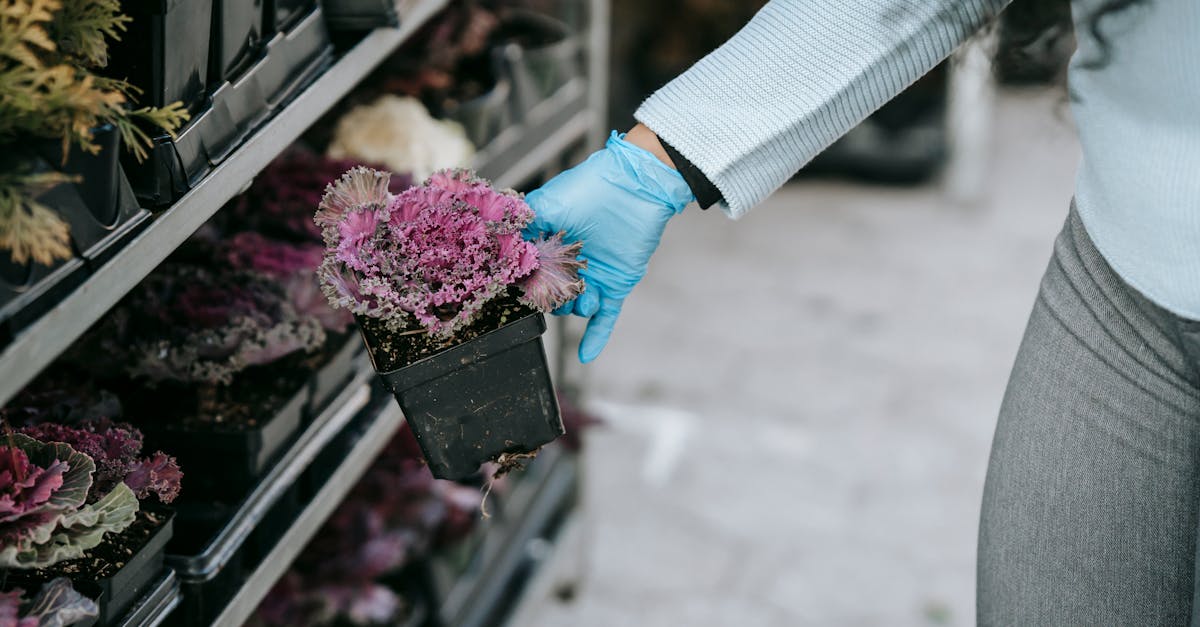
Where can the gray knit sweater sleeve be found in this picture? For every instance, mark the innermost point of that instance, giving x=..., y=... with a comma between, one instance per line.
x=797, y=77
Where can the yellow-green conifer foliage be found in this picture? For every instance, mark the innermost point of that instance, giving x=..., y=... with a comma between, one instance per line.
x=49, y=51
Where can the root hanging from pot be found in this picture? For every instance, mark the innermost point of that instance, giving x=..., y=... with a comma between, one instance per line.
x=506, y=462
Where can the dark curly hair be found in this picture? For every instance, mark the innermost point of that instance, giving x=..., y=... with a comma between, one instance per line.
x=1028, y=21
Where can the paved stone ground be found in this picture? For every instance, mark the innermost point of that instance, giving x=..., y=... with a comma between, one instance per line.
x=800, y=404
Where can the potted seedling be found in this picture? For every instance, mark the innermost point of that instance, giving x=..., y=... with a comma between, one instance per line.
x=118, y=570
x=204, y=363
x=449, y=299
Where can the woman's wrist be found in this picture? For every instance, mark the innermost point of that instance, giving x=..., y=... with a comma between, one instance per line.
x=644, y=138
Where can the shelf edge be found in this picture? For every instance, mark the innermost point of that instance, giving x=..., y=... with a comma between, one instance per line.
x=276, y=563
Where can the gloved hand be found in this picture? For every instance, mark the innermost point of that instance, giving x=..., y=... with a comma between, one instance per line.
x=617, y=202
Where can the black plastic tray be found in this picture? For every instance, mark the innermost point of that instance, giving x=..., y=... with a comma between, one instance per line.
x=290, y=60
x=102, y=215
x=223, y=542
x=29, y=291
x=156, y=603
x=164, y=51
x=333, y=376
x=361, y=15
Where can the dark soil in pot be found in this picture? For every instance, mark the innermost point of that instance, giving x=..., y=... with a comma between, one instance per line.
x=117, y=571
x=392, y=351
x=245, y=426
x=486, y=395
x=254, y=397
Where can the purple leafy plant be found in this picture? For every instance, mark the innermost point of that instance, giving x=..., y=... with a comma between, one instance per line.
x=190, y=325
x=44, y=517
x=434, y=255
x=56, y=604
x=115, y=448
x=294, y=267
x=280, y=201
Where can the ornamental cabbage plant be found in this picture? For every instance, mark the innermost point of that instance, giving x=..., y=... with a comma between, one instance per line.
x=116, y=448
x=44, y=517
x=432, y=256
x=185, y=324
x=293, y=267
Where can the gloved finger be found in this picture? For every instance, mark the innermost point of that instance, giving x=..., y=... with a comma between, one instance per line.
x=587, y=303
x=599, y=329
x=565, y=309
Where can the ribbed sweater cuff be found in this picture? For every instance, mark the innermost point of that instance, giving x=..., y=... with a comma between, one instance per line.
x=800, y=75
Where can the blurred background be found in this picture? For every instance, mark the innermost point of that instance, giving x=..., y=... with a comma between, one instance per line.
x=798, y=407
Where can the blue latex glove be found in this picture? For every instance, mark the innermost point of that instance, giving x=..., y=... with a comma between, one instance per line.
x=617, y=202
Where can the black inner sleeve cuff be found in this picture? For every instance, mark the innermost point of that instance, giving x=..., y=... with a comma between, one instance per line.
x=706, y=193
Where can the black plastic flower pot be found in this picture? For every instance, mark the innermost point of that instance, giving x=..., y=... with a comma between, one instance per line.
x=211, y=569
x=29, y=289
x=116, y=593
x=153, y=606
x=475, y=401
x=288, y=62
x=332, y=376
x=360, y=15
x=164, y=52
x=99, y=206
x=236, y=39
x=283, y=14
x=245, y=453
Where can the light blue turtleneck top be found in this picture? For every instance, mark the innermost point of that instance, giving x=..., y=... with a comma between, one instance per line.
x=803, y=72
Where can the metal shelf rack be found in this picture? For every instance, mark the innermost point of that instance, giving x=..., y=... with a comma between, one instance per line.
x=554, y=128
x=42, y=342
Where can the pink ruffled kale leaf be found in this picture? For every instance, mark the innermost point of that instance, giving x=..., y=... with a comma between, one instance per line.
x=556, y=280
x=116, y=449
x=432, y=257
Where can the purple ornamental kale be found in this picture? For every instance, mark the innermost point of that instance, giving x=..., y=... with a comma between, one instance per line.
x=294, y=267
x=435, y=254
x=10, y=610
x=192, y=325
x=43, y=515
x=280, y=200
x=298, y=600
x=32, y=494
x=115, y=448
x=60, y=395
